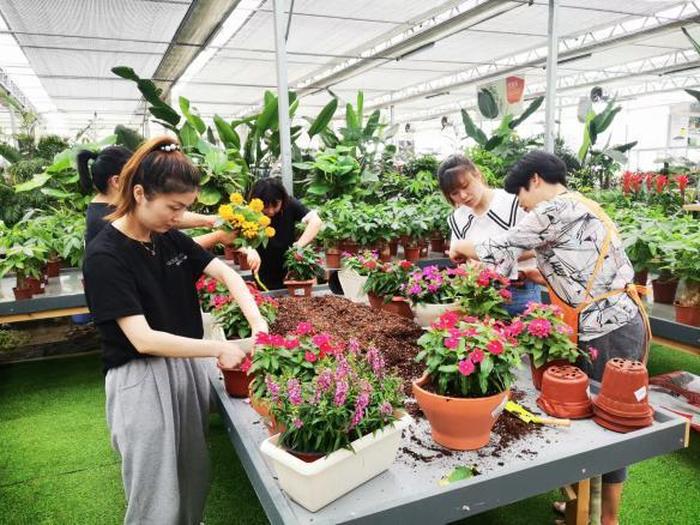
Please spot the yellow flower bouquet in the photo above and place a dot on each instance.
(251, 225)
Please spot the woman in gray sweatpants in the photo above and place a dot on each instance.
(140, 275)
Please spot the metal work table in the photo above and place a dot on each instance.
(409, 493)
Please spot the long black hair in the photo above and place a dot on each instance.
(270, 190)
(105, 164)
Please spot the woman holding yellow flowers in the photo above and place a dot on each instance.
(281, 214)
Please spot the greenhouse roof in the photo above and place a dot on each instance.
(423, 57)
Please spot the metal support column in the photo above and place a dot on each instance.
(552, 58)
(282, 94)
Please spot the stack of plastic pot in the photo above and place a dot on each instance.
(565, 393)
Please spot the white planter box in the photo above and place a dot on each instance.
(315, 485)
(425, 314)
(352, 283)
(213, 331)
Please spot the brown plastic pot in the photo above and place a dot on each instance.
(299, 288)
(459, 423)
(394, 247)
(22, 293)
(638, 422)
(565, 393)
(236, 381)
(399, 306)
(243, 262)
(538, 373)
(35, 285)
(411, 254)
(624, 389)
(641, 277)
(350, 246)
(375, 301)
(332, 258)
(53, 268)
(689, 315)
(230, 253)
(664, 291)
(437, 244)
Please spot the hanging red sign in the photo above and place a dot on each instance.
(515, 87)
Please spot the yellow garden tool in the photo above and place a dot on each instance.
(529, 417)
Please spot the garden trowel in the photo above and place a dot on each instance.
(529, 417)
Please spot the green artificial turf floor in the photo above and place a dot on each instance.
(57, 466)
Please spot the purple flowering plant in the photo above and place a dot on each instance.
(544, 335)
(432, 285)
(349, 397)
(468, 357)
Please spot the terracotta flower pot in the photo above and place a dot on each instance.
(384, 253)
(565, 393)
(375, 301)
(263, 409)
(243, 262)
(664, 291)
(641, 278)
(299, 288)
(230, 253)
(632, 422)
(399, 306)
(236, 381)
(22, 293)
(350, 246)
(404, 240)
(437, 244)
(53, 268)
(394, 247)
(411, 254)
(537, 373)
(332, 258)
(624, 389)
(689, 315)
(35, 285)
(459, 423)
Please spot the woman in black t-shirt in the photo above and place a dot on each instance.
(140, 276)
(286, 212)
(101, 172)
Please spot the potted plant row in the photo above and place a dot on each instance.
(385, 287)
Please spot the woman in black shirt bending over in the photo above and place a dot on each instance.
(140, 276)
(286, 212)
(101, 171)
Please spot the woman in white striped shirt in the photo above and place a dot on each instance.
(483, 213)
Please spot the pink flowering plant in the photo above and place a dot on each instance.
(432, 285)
(303, 264)
(228, 314)
(363, 263)
(389, 279)
(542, 333)
(208, 288)
(298, 354)
(482, 292)
(468, 357)
(349, 397)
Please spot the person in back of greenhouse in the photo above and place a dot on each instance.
(481, 213)
(285, 213)
(581, 259)
(101, 171)
(140, 275)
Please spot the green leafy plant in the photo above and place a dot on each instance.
(228, 314)
(481, 292)
(466, 357)
(388, 280)
(334, 172)
(302, 264)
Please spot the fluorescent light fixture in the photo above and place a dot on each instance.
(574, 59)
(237, 19)
(417, 50)
(20, 72)
(434, 95)
(680, 70)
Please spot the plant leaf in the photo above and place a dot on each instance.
(323, 118)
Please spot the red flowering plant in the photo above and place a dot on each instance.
(208, 288)
(542, 333)
(363, 263)
(297, 353)
(389, 279)
(468, 357)
(481, 292)
(228, 314)
(302, 264)
(349, 397)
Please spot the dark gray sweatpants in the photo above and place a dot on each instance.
(157, 415)
(627, 342)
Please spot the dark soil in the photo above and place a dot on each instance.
(394, 336)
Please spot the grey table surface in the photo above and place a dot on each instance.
(409, 491)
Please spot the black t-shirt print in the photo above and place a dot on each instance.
(122, 278)
(272, 257)
(95, 219)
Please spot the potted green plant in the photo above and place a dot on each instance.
(385, 287)
(340, 429)
(414, 229)
(354, 273)
(481, 292)
(684, 260)
(543, 335)
(469, 370)
(330, 239)
(303, 269)
(670, 235)
(26, 258)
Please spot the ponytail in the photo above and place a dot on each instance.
(105, 165)
(159, 167)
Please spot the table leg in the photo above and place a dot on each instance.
(577, 506)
